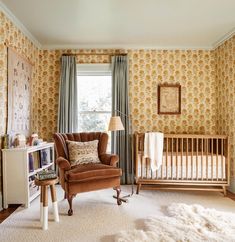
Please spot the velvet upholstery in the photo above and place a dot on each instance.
(86, 177)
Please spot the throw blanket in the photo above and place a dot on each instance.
(153, 149)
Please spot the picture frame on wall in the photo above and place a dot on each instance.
(169, 99)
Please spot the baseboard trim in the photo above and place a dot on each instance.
(231, 188)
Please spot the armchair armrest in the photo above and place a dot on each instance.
(63, 163)
(109, 159)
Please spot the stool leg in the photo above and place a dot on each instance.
(41, 204)
(54, 203)
(45, 208)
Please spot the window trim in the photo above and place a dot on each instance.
(94, 69)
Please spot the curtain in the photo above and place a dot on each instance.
(68, 103)
(121, 144)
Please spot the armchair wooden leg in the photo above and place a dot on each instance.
(119, 200)
(70, 201)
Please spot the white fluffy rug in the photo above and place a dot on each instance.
(98, 218)
(185, 223)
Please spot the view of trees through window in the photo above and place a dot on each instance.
(94, 102)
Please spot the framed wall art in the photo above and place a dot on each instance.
(19, 83)
(169, 99)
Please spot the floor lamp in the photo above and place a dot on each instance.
(115, 124)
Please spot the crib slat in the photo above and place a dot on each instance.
(192, 159)
(176, 158)
(162, 170)
(222, 159)
(212, 161)
(182, 148)
(197, 159)
(207, 147)
(187, 158)
(142, 166)
(146, 167)
(217, 159)
(172, 167)
(166, 158)
(136, 155)
(202, 146)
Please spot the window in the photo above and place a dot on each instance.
(94, 96)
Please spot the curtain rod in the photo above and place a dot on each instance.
(94, 53)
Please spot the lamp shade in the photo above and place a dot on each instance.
(115, 124)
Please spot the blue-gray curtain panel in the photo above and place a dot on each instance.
(121, 143)
(68, 101)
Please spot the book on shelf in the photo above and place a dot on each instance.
(45, 157)
(31, 168)
(36, 160)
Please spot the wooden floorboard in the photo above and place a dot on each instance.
(5, 213)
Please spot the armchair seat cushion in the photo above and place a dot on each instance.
(88, 172)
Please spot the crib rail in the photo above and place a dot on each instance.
(195, 159)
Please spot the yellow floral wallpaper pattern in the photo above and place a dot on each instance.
(11, 36)
(48, 85)
(225, 80)
(14, 38)
(193, 70)
(207, 79)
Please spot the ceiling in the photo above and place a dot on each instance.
(125, 23)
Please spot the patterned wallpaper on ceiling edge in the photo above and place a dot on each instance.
(225, 79)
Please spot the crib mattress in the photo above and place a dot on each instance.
(185, 166)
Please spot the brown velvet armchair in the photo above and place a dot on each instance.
(88, 177)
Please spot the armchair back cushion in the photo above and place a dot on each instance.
(83, 152)
(61, 146)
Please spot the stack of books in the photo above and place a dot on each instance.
(46, 174)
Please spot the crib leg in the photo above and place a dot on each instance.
(138, 188)
(225, 191)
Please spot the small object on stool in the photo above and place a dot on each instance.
(44, 200)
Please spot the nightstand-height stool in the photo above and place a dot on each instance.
(44, 201)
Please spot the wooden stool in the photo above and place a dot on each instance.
(44, 201)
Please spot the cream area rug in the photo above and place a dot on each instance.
(189, 223)
(97, 217)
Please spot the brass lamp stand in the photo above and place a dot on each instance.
(115, 124)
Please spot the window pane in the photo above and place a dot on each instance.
(94, 93)
(93, 121)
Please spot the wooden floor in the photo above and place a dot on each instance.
(7, 212)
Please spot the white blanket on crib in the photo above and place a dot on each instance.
(153, 149)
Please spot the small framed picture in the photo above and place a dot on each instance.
(169, 99)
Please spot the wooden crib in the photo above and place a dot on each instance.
(190, 162)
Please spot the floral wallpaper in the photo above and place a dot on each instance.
(207, 80)
(14, 38)
(11, 36)
(194, 70)
(225, 80)
(48, 85)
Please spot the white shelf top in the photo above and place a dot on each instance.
(30, 148)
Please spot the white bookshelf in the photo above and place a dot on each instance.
(16, 174)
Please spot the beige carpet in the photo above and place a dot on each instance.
(98, 218)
